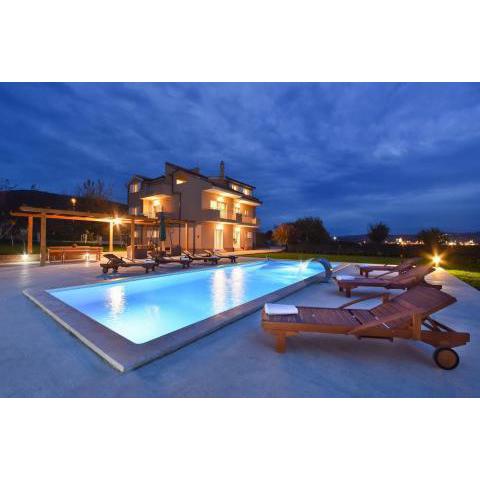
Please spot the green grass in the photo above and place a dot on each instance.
(472, 278)
(467, 273)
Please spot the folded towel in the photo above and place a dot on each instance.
(345, 277)
(278, 309)
(183, 258)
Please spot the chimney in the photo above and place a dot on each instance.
(222, 169)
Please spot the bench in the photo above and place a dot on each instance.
(64, 252)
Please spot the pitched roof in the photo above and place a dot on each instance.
(238, 181)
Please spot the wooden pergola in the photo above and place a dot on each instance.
(49, 213)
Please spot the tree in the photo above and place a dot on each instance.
(284, 234)
(95, 194)
(431, 237)
(378, 232)
(311, 230)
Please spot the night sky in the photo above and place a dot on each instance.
(353, 154)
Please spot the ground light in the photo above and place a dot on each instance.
(437, 259)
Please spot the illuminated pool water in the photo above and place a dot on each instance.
(141, 310)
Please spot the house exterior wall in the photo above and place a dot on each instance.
(206, 204)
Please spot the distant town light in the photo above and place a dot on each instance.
(73, 201)
(117, 221)
(334, 237)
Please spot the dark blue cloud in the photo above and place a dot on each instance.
(407, 154)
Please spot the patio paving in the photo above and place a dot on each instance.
(38, 358)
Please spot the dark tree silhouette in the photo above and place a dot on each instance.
(378, 232)
(311, 230)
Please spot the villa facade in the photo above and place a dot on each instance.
(202, 212)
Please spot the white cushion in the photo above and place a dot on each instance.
(278, 309)
(184, 258)
(345, 277)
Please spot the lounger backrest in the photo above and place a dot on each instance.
(422, 299)
(413, 276)
(408, 262)
(112, 257)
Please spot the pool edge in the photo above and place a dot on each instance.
(124, 355)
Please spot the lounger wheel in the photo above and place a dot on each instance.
(446, 358)
(115, 269)
(105, 269)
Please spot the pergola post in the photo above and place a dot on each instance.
(43, 239)
(186, 235)
(110, 239)
(30, 235)
(132, 238)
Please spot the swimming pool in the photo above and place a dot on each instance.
(141, 310)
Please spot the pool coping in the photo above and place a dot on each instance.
(124, 355)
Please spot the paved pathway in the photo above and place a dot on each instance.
(39, 358)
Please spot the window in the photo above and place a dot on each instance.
(179, 181)
(234, 187)
(236, 208)
(249, 234)
(217, 205)
(134, 187)
(246, 191)
(133, 210)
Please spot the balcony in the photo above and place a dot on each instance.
(213, 215)
(155, 190)
(249, 220)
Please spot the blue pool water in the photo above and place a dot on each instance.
(145, 309)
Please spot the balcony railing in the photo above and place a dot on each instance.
(225, 215)
(149, 190)
(249, 220)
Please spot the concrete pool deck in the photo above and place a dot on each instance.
(38, 358)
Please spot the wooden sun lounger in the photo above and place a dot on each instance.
(213, 259)
(221, 255)
(406, 316)
(401, 281)
(165, 259)
(114, 263)
(403, 267)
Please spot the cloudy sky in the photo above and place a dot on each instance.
(353, 154)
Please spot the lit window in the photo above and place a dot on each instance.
(133, 210)
(213, 204)
(246, 191)
(237, 208)
(234, 187)
(179, 181)
(134, 187)
(249, 234)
